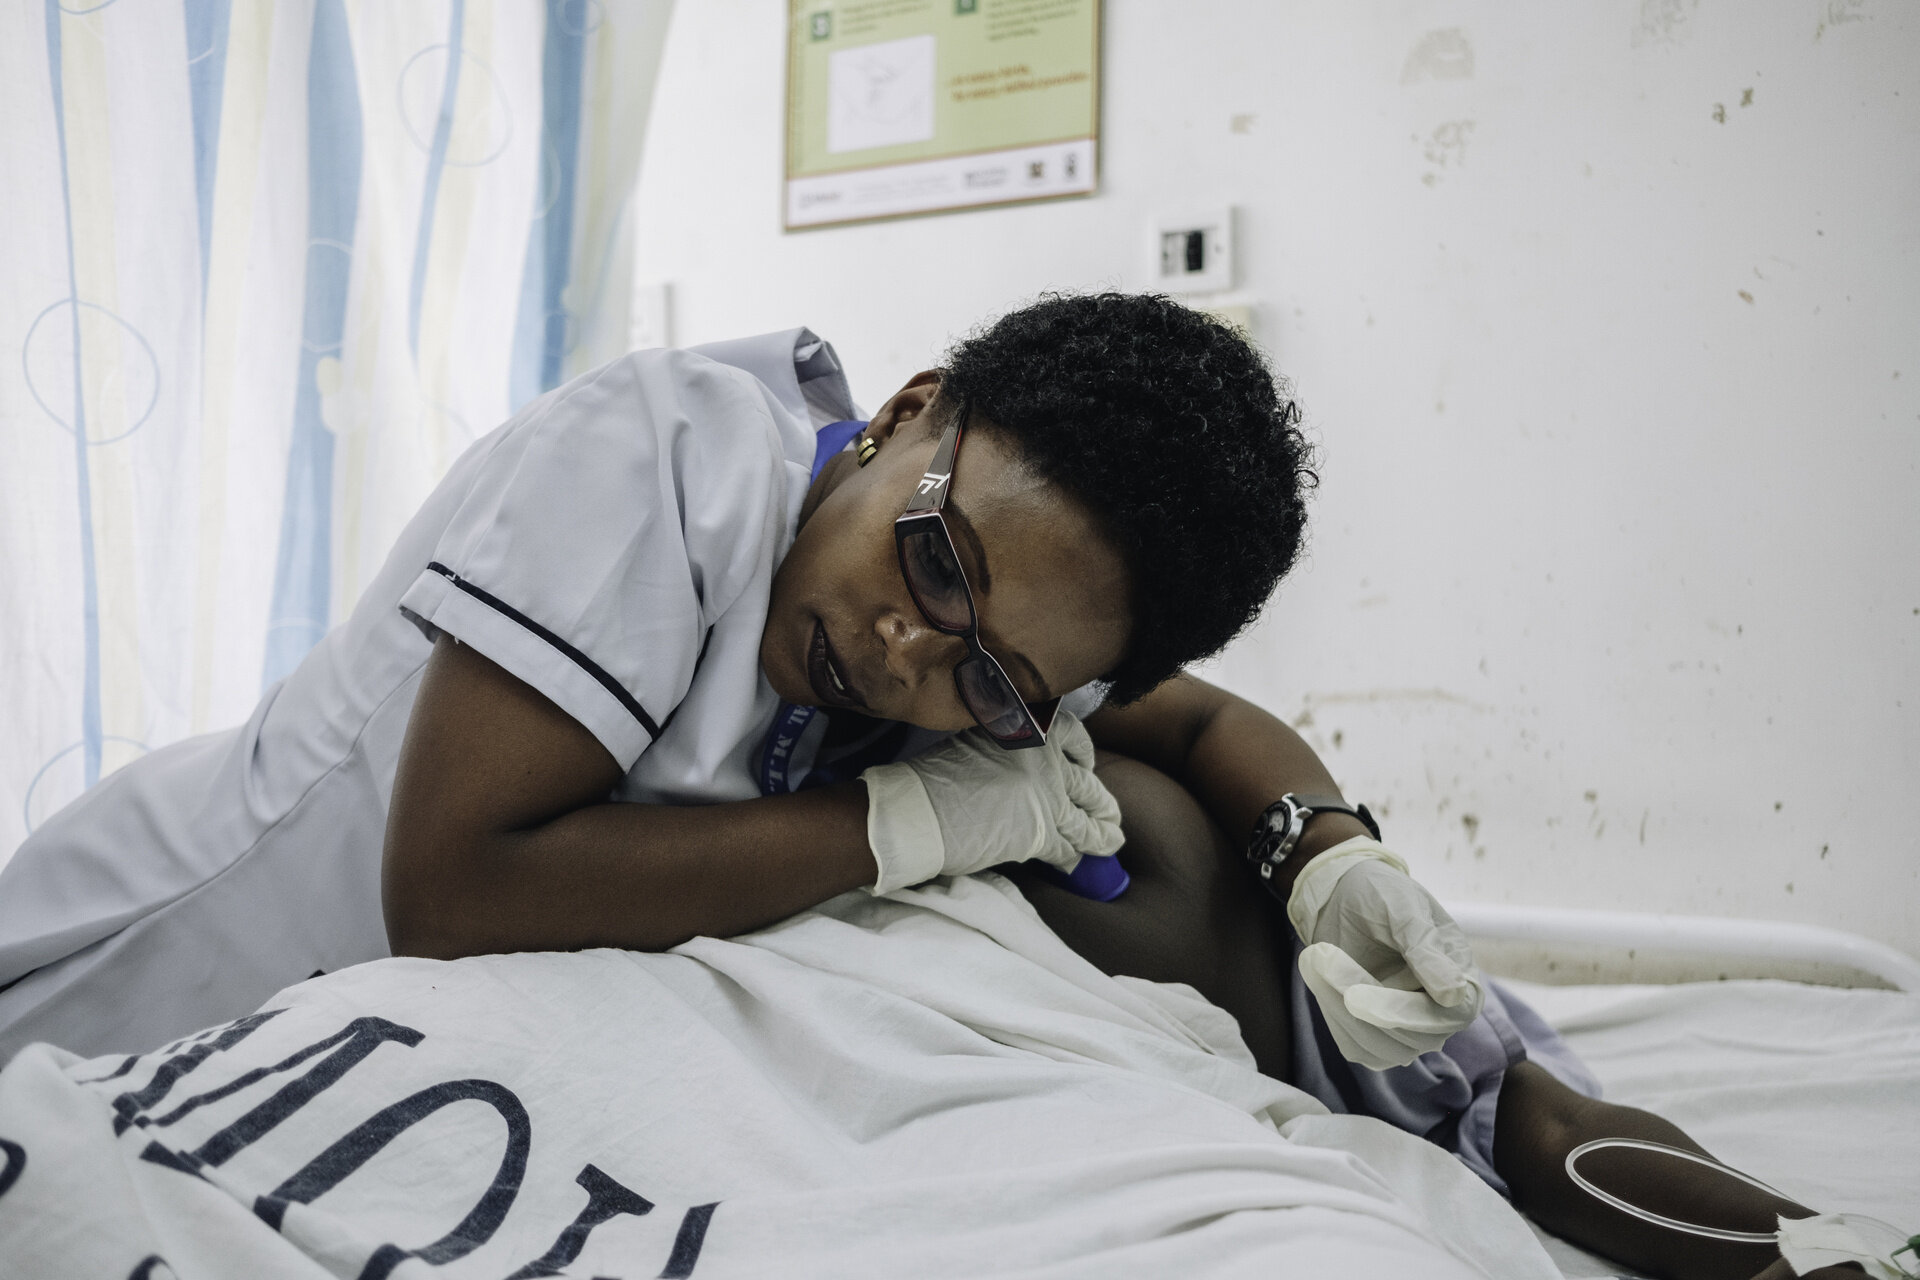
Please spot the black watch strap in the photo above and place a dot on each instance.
(1278, 830)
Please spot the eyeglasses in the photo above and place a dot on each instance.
(932, 569)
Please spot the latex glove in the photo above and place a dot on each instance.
(969, 804)
(1391, 971)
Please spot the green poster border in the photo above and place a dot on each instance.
(790, 123)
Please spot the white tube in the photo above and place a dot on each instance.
(1707, 935)
(1660, 1219)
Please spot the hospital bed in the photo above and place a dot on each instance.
(1788, 1050)
(931, 1086)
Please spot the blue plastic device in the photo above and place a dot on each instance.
(1100, 878)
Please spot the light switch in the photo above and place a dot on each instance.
(1193, 253)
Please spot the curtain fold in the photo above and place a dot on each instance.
(268, 268)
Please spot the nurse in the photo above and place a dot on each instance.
(612, 547)
(661, 657)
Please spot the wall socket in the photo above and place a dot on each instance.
(1193, 252)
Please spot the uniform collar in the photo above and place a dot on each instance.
(801, 369)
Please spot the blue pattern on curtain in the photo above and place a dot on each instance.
(303, 573)
(271, 268)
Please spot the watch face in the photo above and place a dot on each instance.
(1276, 823)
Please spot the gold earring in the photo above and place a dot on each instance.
(868, 447)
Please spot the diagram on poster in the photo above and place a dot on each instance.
(921, 106)
(880, 95)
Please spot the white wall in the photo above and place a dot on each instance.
(1613, 347)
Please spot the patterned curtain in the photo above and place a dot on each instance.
(268, 266)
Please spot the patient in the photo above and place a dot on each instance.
(1195, 914)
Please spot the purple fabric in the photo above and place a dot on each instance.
(1449, 1096)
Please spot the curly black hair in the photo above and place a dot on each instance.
(1172, 430)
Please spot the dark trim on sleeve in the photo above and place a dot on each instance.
(578, 658)
(668, 722)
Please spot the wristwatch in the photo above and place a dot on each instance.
(1278, 829)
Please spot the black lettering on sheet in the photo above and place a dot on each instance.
(129, 1106)
(17, 1163)
(168, 1158)
(166, 1050)
(338, 1162)
(606, 1199)
(687, 1243)
(351, 1044)
(116, 1073)
(360, 1038)
(146, 1269)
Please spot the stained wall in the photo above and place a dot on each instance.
(1607, 321)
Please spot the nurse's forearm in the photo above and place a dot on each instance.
(499, 836)
(645, 877)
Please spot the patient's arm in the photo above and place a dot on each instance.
(1235, 758)
(1195, 914)
(500, 836)
(1540, 1120)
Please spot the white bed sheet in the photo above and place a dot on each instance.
(920, 1086)
(1815, 1090)
(929, 1085)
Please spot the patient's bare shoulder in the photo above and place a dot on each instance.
(1193, 913)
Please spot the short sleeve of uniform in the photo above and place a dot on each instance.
(603, 530)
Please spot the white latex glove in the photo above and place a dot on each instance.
(970, 804)
(1392, 972)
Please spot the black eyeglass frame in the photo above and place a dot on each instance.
(924, 514)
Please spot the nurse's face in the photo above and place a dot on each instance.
(1050, 593)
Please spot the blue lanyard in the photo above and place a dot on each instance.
(776, 752)
(789, 722)
(830, 440)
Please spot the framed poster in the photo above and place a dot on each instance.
(899, 107)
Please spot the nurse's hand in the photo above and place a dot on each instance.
(969, 804)
(1392, 973)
